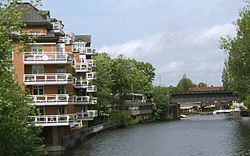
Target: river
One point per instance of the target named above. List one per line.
(211, 135)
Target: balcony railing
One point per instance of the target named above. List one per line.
(90, 76)
(91, 63)
(92, 88)
(81, 100)
(80, 83)
(82, 68)
(50, 99)
(90, 51)
(62, 99)
(63, 120)
(47, 58)
(48, 79)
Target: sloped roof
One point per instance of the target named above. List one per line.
(31, 15)
(200, 89)
(85, 38)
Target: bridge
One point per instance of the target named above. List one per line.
(203, 96)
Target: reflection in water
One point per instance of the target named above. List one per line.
(212, 135)
(242, 136)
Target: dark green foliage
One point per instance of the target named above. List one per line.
(17, 136)
(119, 119)
(236, 75)
(161, 101)
(185, 83)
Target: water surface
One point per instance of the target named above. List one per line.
(211, 135)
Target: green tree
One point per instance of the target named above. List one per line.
(17, 136)
(202, 84)
(185, 83)
(104, 79)
(236, 75)
(161, 101)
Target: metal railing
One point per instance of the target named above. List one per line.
(80, 83)
(47, 79)
(63, 120)
(62, 99)
(50, 99)
(47, 58)
(92, 88)
(90, 76)
(82, 68)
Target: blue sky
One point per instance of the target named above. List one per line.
(176, 36)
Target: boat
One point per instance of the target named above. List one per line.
(183, 116)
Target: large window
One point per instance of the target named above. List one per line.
(61, 90)
(62, 110)
(60, 69)
(78, 46)
(37, 49)
(37, 69)
(38, 90)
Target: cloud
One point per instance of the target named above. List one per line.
(194, 52)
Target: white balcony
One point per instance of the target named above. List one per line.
(81, 83)
(82, 68)
(63, 120)
(83, 100)
(54, 120)
(47, 58)
(92, 88)
(48, 79)
(91, 63)
(90, 51)
(90, 76)
(50, 99)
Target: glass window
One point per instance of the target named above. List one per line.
(37, 69)
(38, 49)
(61, 90)
(60, 69)
(62, 110)
(38, 90)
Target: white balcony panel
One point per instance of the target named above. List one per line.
(90, 76)
(82, 68)
(50, 99)
(92, 88)
(48, 79)
(90, 51)
(83, 100)
(81, 83)
(47, 58)
(63, 120)
(91, 63)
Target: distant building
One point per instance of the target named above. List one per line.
(57, 73)
(137, 106)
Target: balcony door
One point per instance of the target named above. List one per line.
(62, 110)
(61, 90)
(37, 69)
(38, 90)
(37, 49)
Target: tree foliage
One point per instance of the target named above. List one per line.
(121, 76)
(236, 73)
(161, 101)
(17, 136)
(185, 83)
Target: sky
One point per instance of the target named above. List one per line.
(176, 36)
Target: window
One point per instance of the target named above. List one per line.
(60, 69)
(79, 46)
(37, 49)
(41, 110)
(84, 108)
(37, 69)
(62, 110)
(61, 90)
(38, 90)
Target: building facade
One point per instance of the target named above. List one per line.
(57, 73)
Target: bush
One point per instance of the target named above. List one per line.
(119, 119)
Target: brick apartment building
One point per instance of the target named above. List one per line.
(57, 73)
